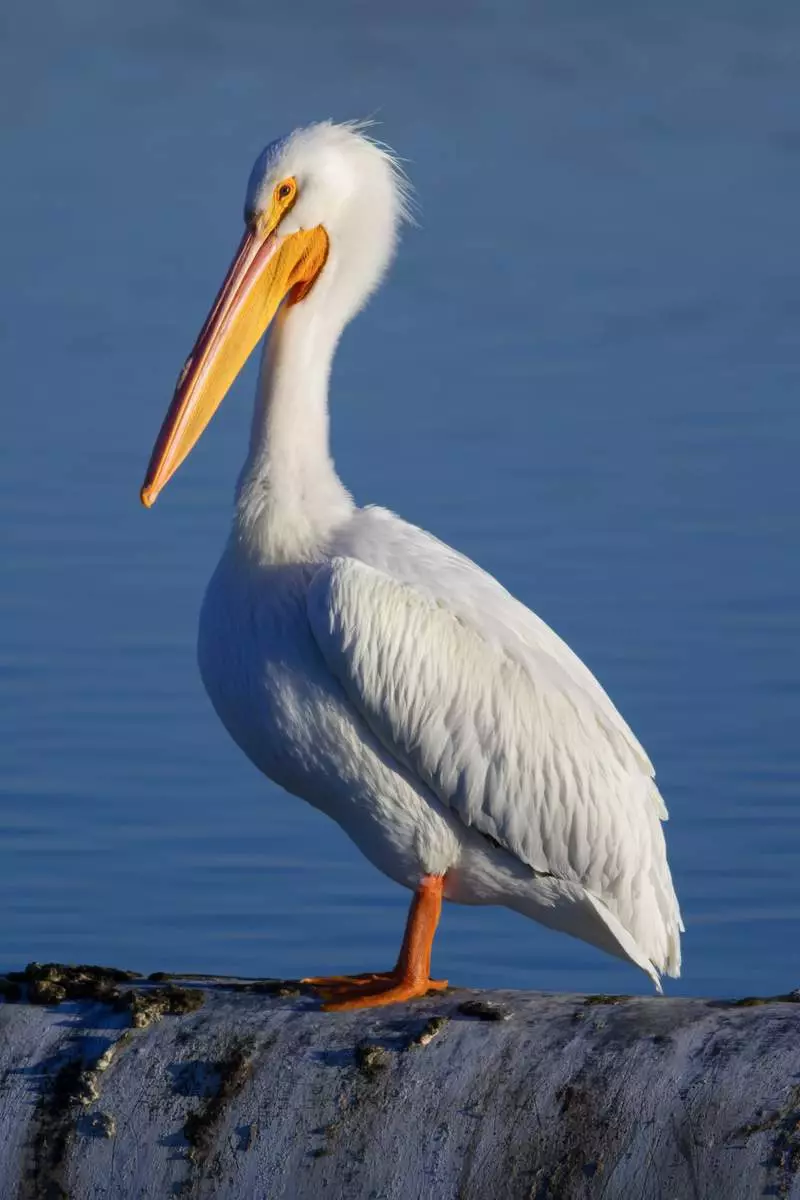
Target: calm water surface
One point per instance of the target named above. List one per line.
(583, 372)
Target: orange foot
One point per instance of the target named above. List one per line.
(371, 990)
(410, 978)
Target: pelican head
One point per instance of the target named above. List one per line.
(321, 215)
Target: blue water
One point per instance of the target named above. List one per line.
(583, 372)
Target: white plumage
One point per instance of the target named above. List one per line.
(372, 670)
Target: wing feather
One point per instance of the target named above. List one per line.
(487, 706)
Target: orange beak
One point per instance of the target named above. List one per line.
(266, 269)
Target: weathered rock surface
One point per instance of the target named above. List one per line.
(463, 1096)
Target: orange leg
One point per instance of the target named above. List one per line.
(411, 976)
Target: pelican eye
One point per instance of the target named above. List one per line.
(286, 190)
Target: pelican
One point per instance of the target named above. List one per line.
(367, 667)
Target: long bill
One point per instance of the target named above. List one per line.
(266, 270)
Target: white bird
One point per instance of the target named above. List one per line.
(367, 667)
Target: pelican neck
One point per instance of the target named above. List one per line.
(290, 497)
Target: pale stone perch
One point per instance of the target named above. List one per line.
(233, 1090)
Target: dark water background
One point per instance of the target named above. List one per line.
(583, 372)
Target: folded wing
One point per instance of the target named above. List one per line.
(483, 702)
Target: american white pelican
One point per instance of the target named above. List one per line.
(367, 667)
